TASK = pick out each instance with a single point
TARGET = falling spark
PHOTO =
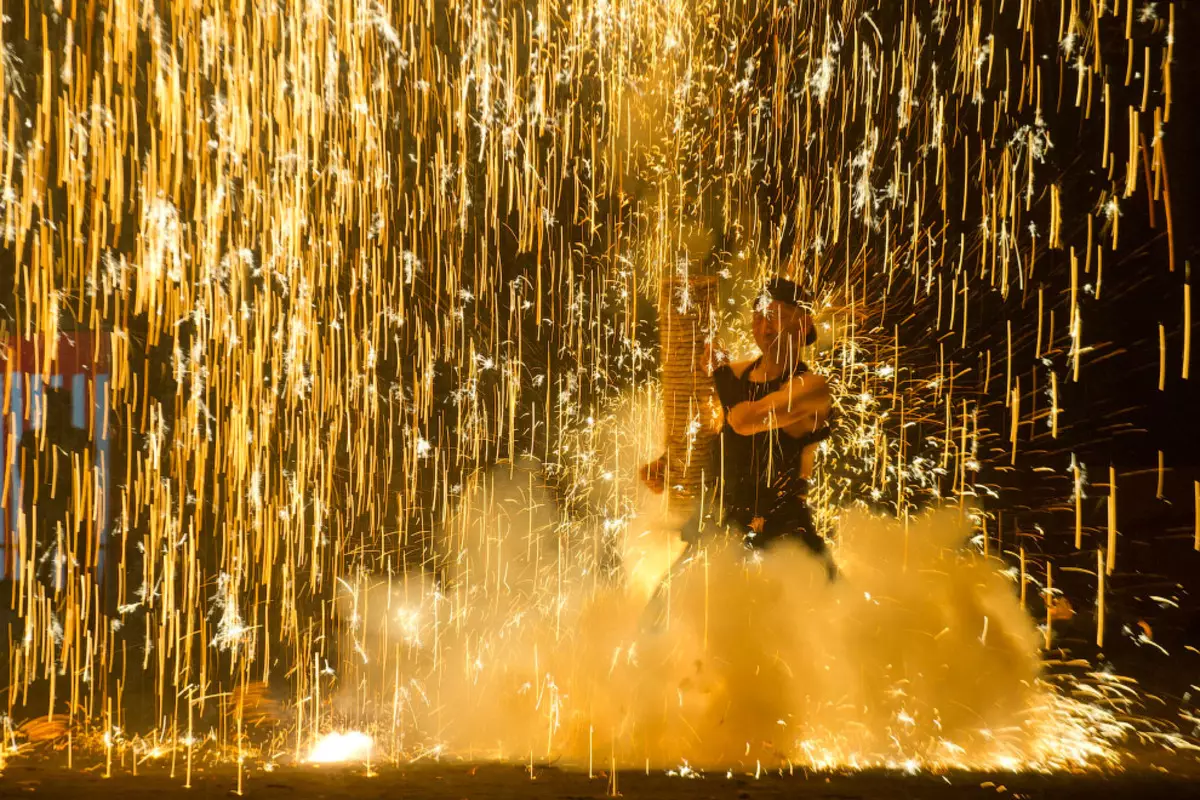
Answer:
(348, 296)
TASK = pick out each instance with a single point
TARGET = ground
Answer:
(460, 781)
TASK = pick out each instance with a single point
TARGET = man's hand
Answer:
(654, 474)
(803, 398)
(710, 357)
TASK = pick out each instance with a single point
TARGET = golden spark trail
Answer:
(330, 353)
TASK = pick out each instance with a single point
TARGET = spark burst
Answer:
(307, 268)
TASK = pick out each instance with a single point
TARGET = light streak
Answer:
(364, 290)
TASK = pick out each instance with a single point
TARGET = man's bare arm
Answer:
(799, 399)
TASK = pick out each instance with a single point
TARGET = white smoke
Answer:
(919, 655)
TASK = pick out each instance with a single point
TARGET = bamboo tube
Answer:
(689, 398)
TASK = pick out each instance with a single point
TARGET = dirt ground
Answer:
(460, 781)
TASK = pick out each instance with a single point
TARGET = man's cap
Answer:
(784, 291)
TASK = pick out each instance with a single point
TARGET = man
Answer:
(775, 413)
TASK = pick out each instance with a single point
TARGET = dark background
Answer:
(1115, 415)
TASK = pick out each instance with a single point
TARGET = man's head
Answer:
(782, 322)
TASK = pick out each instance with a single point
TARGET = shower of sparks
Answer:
(338, 748)
(333, 262)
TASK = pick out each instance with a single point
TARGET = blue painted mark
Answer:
(37, 401)
(78, 401)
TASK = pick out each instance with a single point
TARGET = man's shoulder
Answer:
(807, 382)
(739, 368)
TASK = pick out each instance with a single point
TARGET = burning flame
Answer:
(339, 748)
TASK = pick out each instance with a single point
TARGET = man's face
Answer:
(780, 329)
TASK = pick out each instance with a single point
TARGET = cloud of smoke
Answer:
(919, 655)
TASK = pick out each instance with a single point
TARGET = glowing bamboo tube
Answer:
(689, 399)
